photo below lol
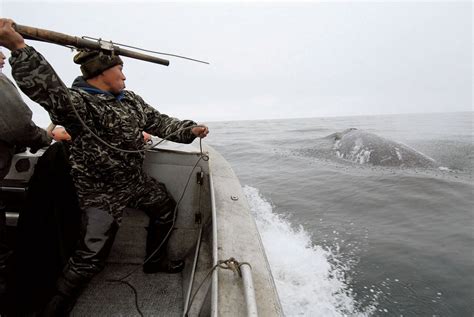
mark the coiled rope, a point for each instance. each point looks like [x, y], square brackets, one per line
[229, 264]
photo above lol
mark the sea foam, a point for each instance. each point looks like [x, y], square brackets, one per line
[309, 278]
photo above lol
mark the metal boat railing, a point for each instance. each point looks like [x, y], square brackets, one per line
[193, 272]
[214, 285]
[245, 268]
[249, 290]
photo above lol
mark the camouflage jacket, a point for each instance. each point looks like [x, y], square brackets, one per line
[118, 120]
[16, 127]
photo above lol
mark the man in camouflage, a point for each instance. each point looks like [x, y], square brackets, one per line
[107, 180]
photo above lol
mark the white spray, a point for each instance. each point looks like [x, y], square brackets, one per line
[307, 283]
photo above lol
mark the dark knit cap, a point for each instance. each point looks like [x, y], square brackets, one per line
[94, 63]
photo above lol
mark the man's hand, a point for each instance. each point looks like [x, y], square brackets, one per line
[9, 38]
[200, 131]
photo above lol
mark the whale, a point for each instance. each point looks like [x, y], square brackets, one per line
[363, 147]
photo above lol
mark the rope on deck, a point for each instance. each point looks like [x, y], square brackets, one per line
[229, 264]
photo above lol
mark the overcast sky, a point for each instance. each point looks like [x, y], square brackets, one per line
[275, 59]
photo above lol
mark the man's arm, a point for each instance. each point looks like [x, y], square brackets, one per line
[163, 126]
[38, 80]
[16, 126]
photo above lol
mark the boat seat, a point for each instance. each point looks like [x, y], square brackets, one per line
[14, 186]
[12, 199]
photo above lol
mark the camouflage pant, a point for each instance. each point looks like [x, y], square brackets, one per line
[98, 232]
[141, 190]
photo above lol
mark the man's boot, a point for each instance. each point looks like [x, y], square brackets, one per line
[68, 288]
[98, 234]
[159, 231]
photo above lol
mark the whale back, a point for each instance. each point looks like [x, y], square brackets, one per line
[367, 148]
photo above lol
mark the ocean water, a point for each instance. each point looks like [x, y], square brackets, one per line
[350, 239]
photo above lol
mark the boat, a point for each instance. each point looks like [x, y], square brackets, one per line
[226, 270]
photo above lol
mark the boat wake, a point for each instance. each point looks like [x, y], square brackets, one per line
[310, 279]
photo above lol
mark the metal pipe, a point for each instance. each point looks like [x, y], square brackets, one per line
[12, 189]
[193, 271]
[215, 278]
[249, 290]
[11, 218]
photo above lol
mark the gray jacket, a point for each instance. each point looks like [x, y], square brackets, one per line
[16, 127]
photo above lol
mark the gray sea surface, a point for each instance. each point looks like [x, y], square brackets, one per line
[350, 239]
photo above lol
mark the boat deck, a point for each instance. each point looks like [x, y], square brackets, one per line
[213, 224]
[158, 294]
